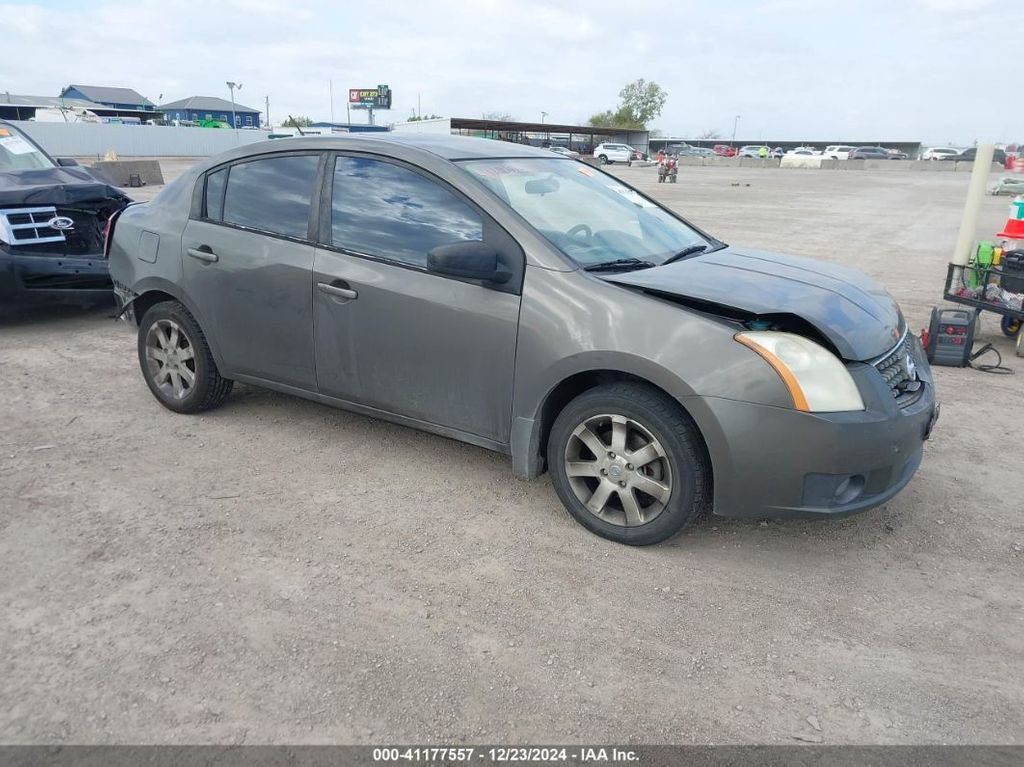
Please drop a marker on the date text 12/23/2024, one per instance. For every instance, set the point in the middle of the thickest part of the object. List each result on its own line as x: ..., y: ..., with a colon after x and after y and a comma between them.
x: 535, y: 754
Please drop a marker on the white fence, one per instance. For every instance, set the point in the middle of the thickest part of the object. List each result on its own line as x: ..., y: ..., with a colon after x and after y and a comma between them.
x: 96, y: 139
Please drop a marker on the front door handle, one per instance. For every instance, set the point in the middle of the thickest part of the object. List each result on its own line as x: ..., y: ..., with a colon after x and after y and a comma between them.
x: 335, y: 290
x: 204, y: 255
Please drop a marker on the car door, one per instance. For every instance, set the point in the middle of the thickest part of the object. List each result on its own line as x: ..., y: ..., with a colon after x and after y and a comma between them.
x: 391, y: 335
x: 248, y: 264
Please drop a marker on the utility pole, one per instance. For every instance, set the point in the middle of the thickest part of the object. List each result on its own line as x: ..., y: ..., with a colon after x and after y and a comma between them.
x: 267, y: 98
x: 734, y: 124
x: 234, y: 119
x: 332, y: 101
x: 419, y: 107
x: 542, y: 116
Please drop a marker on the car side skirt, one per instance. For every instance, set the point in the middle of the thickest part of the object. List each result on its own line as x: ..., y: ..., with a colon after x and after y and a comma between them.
x: 384, y: 415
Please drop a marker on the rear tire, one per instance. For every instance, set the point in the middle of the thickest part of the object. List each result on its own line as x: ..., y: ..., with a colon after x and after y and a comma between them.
x: 1010, y: 326
x: 628, y: 463
x: 603, y: 159
x: 176, y: 360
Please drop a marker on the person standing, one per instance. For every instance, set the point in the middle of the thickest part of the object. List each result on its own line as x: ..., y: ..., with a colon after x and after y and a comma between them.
x: 762, y: 152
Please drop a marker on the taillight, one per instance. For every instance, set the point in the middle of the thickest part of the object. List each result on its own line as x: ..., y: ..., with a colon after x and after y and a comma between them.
x: 108, y: 231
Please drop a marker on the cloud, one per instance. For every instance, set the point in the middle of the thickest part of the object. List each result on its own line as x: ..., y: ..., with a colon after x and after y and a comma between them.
x: 956, y: 6
x: 791, y: 68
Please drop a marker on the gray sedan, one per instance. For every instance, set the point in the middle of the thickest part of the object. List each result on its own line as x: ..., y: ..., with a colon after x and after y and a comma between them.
x: 533, y: 305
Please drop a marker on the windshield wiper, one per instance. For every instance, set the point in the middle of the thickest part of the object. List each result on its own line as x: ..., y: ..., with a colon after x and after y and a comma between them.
x: 690, y: 251
x: 618, y: 264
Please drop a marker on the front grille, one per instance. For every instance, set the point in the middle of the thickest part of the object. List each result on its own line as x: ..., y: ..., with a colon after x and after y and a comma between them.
x: 28, y: 230
x: 899, y: 371
x: 28, y: 226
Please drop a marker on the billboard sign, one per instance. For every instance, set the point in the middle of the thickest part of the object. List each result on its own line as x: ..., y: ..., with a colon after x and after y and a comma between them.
x: 370, y: 98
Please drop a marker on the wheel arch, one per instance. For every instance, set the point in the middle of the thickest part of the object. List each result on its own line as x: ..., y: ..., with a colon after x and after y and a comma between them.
x: 530, y: 435
x: 155, y: 290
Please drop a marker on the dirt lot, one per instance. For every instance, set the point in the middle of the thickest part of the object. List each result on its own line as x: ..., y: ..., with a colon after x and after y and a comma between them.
x: 280, y: 572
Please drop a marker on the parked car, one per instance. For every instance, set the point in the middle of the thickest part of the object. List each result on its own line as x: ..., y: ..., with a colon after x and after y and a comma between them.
x: 801, y: 152
x: 777, y: 153
x: 751, y: 150
x: 52, y: 217
x: 838, y: 151
x: 868, y: 153
x: 698, y: 151
x: 564, y: 151
x: 896, y: 154
x: 938, y: 152
x: 500, y: 295
x: 610, y: 153
x: 968, y: 155
x: 678, y: 150
x: 724, y: 150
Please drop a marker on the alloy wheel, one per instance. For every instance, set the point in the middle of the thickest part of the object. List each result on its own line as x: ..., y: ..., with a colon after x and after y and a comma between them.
x: 170, y: 359
x: 618, y: 470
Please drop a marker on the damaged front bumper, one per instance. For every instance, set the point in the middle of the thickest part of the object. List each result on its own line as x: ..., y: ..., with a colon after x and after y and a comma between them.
x: 54, y: 279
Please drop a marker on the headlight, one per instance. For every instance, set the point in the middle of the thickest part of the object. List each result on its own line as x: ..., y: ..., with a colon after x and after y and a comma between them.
x: 816, y: 379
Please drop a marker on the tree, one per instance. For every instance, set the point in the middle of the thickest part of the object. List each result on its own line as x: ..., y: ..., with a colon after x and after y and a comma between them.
x: 619, y: 119
x: 709, y: 134
x: 299, y: 122
x: 503, y: 116
x: 643, y: 99
x: 640, y: 102
x: 414, y: 118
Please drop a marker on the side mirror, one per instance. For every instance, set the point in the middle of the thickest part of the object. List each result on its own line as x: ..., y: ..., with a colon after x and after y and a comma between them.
x: 474, y: 260
x: 67, y: 162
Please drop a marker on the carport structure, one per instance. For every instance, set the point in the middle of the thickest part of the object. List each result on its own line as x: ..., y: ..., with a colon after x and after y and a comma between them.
x: 580, y: 138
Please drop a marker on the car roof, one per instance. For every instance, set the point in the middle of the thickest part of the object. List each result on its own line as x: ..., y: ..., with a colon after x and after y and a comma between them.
x: 443, y: 146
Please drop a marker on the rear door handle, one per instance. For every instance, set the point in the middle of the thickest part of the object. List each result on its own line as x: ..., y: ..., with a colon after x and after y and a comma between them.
x: 204, y: 255
x: 335, y: 290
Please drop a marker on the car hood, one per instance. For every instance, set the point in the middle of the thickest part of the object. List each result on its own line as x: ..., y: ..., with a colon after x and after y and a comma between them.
x: 847, y: 307
x: 55, y: 186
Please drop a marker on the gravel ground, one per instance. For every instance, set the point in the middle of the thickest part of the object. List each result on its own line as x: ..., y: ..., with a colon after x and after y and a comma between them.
x: 277, y: 571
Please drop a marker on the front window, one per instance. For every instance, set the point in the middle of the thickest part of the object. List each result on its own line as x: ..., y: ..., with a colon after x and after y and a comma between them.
x: 392, y: 212
x: 17, y: 152
x: 588, y: 215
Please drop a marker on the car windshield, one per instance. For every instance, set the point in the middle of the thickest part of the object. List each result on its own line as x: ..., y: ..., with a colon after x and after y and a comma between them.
x: 587, y: 214
x: 18, y: 153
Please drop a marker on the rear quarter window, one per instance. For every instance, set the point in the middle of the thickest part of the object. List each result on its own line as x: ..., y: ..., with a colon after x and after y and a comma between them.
x: 215, y: 185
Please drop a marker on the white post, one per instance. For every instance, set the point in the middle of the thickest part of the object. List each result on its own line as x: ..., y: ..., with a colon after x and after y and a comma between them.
x: 975, y: 194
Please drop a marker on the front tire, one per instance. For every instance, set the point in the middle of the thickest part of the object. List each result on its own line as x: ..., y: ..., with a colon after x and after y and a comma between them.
x: 629, y: 464
x: 176, y: 360
x: 603, y: 159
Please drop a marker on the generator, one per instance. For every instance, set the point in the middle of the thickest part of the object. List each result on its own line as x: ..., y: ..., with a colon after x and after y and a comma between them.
x: 951, y: 337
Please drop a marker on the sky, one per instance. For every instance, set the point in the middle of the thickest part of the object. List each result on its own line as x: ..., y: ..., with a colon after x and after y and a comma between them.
x: 903, y: 70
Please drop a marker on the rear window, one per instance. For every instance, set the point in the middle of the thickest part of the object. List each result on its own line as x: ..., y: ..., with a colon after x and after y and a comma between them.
x: 273, y: 194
